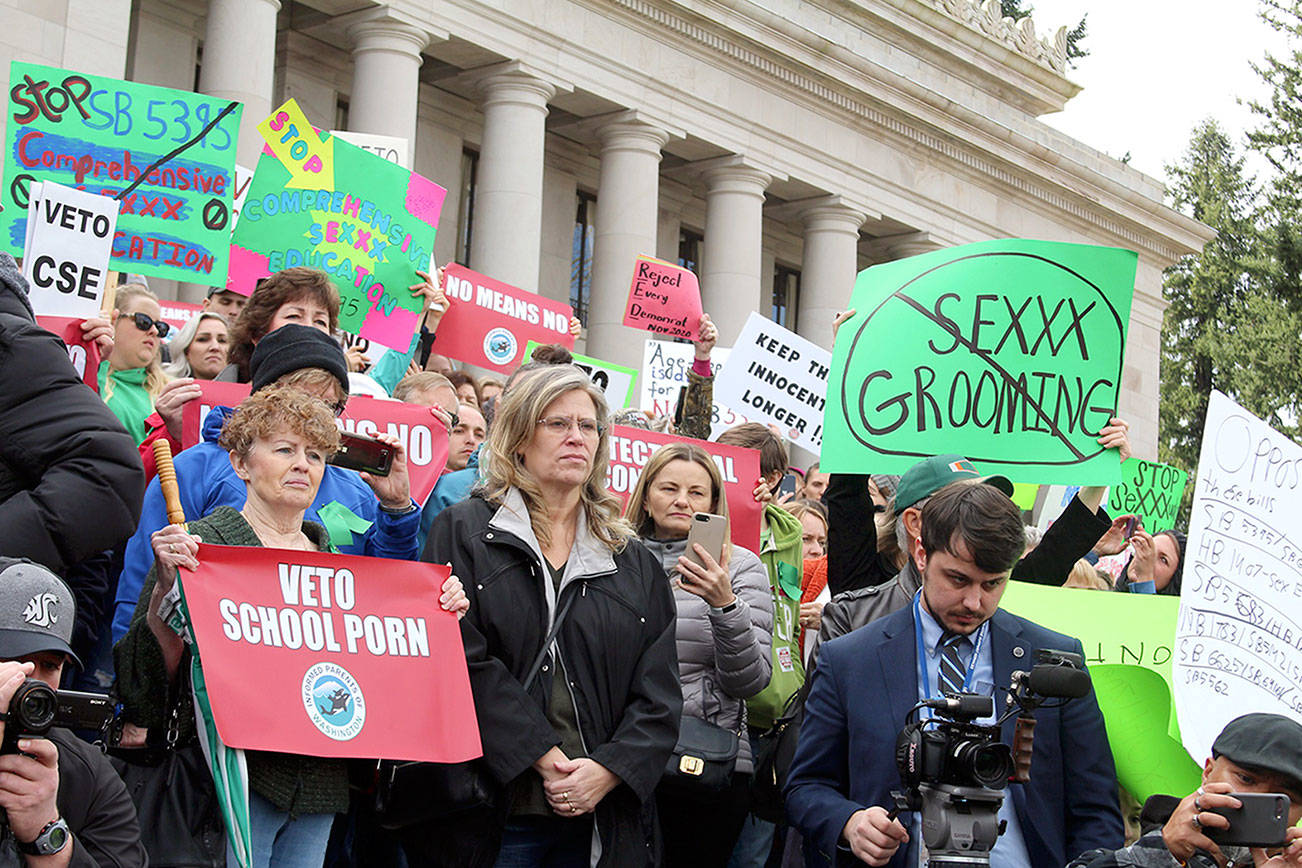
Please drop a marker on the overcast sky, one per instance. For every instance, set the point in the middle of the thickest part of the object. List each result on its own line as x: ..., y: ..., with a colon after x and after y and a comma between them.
x: 1155, y: 69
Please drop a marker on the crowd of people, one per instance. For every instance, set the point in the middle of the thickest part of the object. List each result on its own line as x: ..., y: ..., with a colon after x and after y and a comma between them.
x: 644, y: 695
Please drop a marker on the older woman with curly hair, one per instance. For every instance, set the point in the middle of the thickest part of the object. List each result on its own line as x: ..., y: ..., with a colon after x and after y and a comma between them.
x: 278, y: 440
x: 569, y: 643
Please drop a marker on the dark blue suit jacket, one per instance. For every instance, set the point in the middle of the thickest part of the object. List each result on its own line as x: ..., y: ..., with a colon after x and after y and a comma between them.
x: 864, y: 686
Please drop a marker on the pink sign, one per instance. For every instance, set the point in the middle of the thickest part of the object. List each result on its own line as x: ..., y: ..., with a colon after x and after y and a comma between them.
x: 664, y: 298
x: 488, y: 322
x: 632, y: 448
x: 84, y: 356
x: 178, y: 313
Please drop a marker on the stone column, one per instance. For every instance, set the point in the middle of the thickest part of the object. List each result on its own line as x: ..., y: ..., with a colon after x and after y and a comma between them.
x: 830, y: 263
x: 904, y: 246
x: 386, y: 70
x: 239, y: 61
x: 627, y: 211
x: 506, y: 235
x: 730, y: 270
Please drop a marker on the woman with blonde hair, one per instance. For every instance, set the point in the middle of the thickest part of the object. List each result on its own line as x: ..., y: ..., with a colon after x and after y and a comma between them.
x: 199, y: 348
x: 569, y: 643
x: 725, y: 624
x: 132, y: 376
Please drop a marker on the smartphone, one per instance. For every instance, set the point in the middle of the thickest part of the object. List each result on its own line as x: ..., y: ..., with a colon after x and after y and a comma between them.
x: 788, y: 484
x: 364, y: 454
x: 1132, y: 522
x: 1261, y: 822
x: 711, y: 531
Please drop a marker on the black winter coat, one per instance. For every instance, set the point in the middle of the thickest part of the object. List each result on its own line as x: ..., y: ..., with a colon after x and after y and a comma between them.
x: 617, y: 644
x: 71, y: 481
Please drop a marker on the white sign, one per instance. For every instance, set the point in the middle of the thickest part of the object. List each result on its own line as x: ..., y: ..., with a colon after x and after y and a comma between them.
x: 664, y: 372
x: 1239, y: 638
x: 392, y: 148
x: 243, y: 178
x: 776, y: 376
x: 69, y: 240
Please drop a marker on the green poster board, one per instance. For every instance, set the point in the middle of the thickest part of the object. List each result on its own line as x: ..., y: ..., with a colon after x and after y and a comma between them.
x: 367, y: 223
x: 102, y: 135
x: 1150, y: 490
x: 1128, y: 641
x: 1007, y: 352
x: 615, y: 380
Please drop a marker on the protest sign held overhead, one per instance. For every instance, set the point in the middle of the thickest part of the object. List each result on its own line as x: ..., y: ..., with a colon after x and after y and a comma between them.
x: 368, y: 224
x: 167, y: 155
x: 1008, y: 352
x: 664, y: 298
x: 1239, y: 638
x: 632, y: 448
x: 489, y: 323
x: 1149, y: 490
x: 664, y: 375
x: 423, y: 436
x: 69, y: 238
x: 777, y: 377
x: 615, y: 380
x: 352, y: 656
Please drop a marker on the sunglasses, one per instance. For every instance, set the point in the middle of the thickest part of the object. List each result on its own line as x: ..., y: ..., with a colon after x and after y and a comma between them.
x: 145, y: 322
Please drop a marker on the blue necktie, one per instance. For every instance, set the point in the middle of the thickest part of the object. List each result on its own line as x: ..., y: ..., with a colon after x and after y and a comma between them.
x: 952, y: 670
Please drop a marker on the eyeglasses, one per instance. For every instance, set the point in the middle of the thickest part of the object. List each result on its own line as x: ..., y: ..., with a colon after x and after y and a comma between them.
x: 145, y: 322
x: 561, y: 425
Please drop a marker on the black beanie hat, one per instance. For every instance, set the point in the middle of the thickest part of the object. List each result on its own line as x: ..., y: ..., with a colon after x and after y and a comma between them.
x: 293, y: 347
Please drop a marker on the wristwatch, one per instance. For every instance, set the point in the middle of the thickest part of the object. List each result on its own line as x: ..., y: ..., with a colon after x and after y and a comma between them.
x: 53, y: 838
x: 402, y: 510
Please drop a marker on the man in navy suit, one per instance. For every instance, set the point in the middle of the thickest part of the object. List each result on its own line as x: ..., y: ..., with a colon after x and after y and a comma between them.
x: 953, y: 637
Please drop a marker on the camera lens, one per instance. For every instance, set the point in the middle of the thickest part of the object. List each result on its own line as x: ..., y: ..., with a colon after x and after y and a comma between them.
x: 33, y: 707
x: 990, y: 765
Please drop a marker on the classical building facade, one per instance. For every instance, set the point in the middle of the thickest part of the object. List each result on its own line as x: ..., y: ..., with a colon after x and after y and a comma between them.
x: 776, y: 146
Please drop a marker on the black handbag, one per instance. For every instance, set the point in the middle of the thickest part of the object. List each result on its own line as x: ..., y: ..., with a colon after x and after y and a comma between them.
x: 173, y: 791
x: 774, y: 750
x: 410, y: 793
x: 703, y: 759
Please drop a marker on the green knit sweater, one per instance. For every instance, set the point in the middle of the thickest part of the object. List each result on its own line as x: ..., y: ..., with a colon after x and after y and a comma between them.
x: 293, y: 783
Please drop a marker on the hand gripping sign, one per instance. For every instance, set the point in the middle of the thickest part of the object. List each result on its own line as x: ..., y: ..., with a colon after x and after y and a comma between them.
x: 330, y: 655
x: 1008, y: 352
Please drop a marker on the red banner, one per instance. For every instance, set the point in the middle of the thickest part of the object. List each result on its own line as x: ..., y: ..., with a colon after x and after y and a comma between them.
x: 632, y: 448
x: 423, y: 436
x: 489, y: 322
x: 331, y: 655
x: 84, y: 356
x: 178, y: 313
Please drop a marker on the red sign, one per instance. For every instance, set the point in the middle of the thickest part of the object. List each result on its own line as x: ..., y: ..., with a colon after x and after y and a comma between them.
x: 664, y: 298
x: 178, y: 313
x: 423, y: 436
x: 331, y: 655
x: 489, y: 322
x: 632, y: 448
x: 84, y: 356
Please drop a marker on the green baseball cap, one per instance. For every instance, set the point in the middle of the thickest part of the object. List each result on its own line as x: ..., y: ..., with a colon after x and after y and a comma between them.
x: 932, y: 474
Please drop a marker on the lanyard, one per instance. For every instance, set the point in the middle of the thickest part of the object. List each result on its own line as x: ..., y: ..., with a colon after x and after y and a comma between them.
x: 922, y: 651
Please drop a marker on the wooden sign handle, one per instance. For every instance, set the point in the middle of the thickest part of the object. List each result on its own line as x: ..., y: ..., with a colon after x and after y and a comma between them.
x: 167, y: 481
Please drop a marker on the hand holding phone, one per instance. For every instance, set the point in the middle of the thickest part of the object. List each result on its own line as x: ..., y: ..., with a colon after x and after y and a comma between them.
x: 1262, y: 821
x: 710, y: 583
x: 363, y: 454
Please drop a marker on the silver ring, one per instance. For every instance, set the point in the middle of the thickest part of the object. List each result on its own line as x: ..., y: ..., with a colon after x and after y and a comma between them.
x: 1197, y: 824
x: 1198, y: 807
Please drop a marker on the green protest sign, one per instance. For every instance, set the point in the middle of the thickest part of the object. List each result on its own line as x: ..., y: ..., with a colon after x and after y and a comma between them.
x: 169, y: 155
x: 1128, y: 641
x: 367, y: 223
x: 615, y: 380
x: 1007, y: 352
x: 1149, y: 490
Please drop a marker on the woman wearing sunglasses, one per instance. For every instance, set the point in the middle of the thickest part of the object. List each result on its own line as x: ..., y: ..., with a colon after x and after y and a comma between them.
x: 132, y: 376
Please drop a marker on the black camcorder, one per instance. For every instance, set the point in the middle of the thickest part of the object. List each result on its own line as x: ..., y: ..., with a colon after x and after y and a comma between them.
x: 954, y: 770
x: 36, y: 708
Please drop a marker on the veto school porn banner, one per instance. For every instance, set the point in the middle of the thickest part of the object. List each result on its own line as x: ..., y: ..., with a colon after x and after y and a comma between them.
x: 330, y: 655
x: 168, y: 154
x: 1007, y: 352
x: 489, y: 323
x: 423, y: 436
x: 84, y: 355
x: 632, y: 448
x: 369, y: 224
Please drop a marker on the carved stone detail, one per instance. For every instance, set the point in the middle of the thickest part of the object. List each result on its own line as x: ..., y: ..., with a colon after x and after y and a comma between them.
x: 986, y: 16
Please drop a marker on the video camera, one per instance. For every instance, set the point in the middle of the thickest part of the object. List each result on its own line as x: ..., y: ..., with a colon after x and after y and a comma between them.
x: 954, y: 770
x: 36, y: 708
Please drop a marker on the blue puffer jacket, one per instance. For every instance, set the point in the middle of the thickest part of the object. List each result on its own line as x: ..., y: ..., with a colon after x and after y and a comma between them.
x: 206, y: 481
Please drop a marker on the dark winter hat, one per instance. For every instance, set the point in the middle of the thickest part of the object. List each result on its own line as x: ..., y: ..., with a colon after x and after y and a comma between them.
x: 293, y: 347
x: 1263, y: 742
x: 37, y: 610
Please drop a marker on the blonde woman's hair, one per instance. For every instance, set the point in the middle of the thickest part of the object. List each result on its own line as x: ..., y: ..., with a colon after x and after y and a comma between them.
x: 155, y: 377
x: 1084, y: 575
x: 636, y: 512
x: 803, y: 507
x: 514, y: 427
x: 180, y: 345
